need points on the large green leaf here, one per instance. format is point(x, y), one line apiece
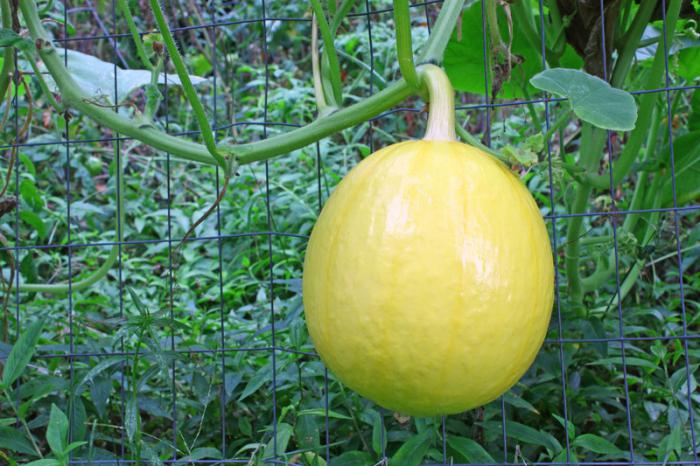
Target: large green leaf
point(532, 436)
point(57, 431)
point(689, 63)
point(412, 451)
point(21, 353)
point(694, 117)
point(12, 440)
point(592, 99)
point(464, 59)
point(353, 458)
point(596, 444)
point(470, 451)
point(686, 158)
point(96, 78)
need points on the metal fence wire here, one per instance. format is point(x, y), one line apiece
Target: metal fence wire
point(105, 15)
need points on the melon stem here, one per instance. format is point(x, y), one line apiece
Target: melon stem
point(441, 118)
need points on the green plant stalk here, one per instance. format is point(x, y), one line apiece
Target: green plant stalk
point(331, 7)
point(123, 6)
point(8, 63)
point(42, 83)
point(342, 12)
point(631, 41)
point(190, 92)
point(319, 93)
point(622, 165)
point(522, 17)
point(592, 142)
point(329, 52)
point(442, 31)
point(153, 104)
point(101, 272)
point(23, 422)
point(602, 273)
point(404, 47)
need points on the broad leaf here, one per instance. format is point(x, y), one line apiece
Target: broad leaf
point(686, 158)
point(470, 451)
point(12, 440)
point(9, 38)
point(21, 354)
point(533, 436)
point(464, 59)
point(596, 444)
point(412, 451)
point(57, 431)
point(131, 418)
point(203, 453)
point(96, 78)
point(592, 99)
point(353, 458)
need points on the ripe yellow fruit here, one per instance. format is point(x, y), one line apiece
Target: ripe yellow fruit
point(428, 278)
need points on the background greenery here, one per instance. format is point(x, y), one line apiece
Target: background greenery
point(172, 353)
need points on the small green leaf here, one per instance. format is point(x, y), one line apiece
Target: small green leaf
point(9, 38)
point(57, 430)
point(353, 458)
point(203, 453)
point(592, 99)
point(35, 222)
point(413, 450)
point(532, 436)
point(522, 156)
point(21, 353)
point(44, 462)
point(11, 440)
point(469, 450)
point(322, 412)
point(599, 445)
point(132, 418)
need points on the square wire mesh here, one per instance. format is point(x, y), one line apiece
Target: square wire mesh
point(226, 350)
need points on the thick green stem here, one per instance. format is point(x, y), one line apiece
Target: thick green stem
point(441, 119)
point(8, 58)
point(404, 47)
point(631, 41)
point(329, 52)
point(135, 36)
point(316, 67)
point(629, 154)
point(190, 92)
point(592, 142)
point(442, 31)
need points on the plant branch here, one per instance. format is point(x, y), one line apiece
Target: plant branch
point(329, 52)
point(404, 47)
point(190, 92)
point(123, 5)
point(442, 31)
point(316, 67)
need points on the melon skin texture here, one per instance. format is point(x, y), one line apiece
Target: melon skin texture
point(428, 278)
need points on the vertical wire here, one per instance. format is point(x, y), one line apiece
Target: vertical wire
point(326, 401)
point(370, 134)
point(560, 331)
point(18, 240)
point(676, 226)
point(621, 324)
point(71, 341)
point(171, 274)
point(219, 237)
point(269, 238)
point(487, 142)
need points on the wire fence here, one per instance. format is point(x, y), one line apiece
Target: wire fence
point(370, 16)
